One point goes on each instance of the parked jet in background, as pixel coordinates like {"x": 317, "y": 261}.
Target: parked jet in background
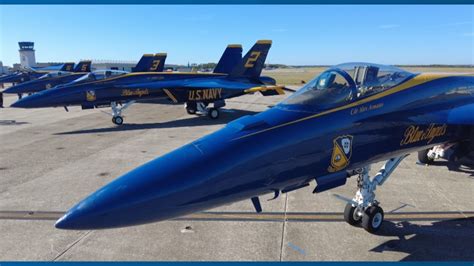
{"x": 336, "y": 126}
{"x": 148, "y": 62}
{"x": 49, "y": 80}
{"x": 197, "y": 90}
{"x": 30, "y": 74}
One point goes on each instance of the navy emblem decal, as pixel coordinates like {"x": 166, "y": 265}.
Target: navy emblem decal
{"x": 341, "y": 153}
{"x": 90, "y": 96}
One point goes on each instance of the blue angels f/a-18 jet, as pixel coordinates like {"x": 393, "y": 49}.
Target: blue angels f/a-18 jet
{"x": 148, "y": 62}
{"x": 232, "y": 77}
{"x": 336, "y": 126}
{"x": 50, "y": 79}
{"x": 31, "y": 74}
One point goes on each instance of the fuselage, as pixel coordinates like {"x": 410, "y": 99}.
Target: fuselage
{"x": 45, "y": 83}
{"x": 20, "y": 77}
{"x": 117, "y": 89}
{"x": 280, "y": 149}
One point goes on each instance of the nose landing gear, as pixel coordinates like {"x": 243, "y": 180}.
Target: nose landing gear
{"x": 118, "y": 120}
{"x": 117, "y": 112}
{"x": 364, "y": 209}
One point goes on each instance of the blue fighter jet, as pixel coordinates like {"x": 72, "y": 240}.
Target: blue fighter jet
{"x": 30, "y": 74}
{"x": 50, "y": 79}
{"x": 148, "y": 62}
{"x": 339, "y": 124}
{"x": 232, "y": 77}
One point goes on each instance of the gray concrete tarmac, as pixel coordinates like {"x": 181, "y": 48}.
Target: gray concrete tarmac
{"x": 50, "y": 159}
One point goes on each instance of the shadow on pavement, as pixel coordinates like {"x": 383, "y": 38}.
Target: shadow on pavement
{"x": 438, "y": 241}
{"x": 226, "y": 116}
{"x": 464, "y": 167}
{"x": 11, "y": 122}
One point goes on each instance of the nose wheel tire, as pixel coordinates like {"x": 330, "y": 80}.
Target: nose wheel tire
{"x": 423, "y": 157}
{"x": 213, "y": 113}
{"x": 191, "y": 107}
{"x": 118, "y": 120}
{"x": 191, "y": 111}
{"x": 372, "y": 219}
{"x": 351, "y": 216}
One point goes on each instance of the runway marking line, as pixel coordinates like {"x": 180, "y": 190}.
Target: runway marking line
{"x": 262, "y": 217}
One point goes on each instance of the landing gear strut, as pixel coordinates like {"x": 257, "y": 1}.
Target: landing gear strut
{"x": 364, "y": 209}
{"x": 117, "y": 112}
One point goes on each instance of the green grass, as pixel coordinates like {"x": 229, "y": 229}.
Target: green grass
{"x": 294, "y": 76}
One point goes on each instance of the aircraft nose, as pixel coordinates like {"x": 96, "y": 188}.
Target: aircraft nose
{"x": 20, "y": 103}
{"x": 31, "y": 101}
{"x": 38, "y": 100}
{"x": 152, "y": 192}
{"x": 7, "y": 79}
{"x": 65, "y": 222}
{"x": 14, "y": 89}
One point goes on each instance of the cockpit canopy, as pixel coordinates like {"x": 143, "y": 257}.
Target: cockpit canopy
{"x": 373, "y": 78}
{"x": 344, "y": 83}
{"x": 99, "y": 75}
{"x": 54, "y": 74}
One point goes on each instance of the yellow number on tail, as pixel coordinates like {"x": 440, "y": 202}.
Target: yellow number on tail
{"x": 252, "y": 59}
{"x": 155, "y": 64}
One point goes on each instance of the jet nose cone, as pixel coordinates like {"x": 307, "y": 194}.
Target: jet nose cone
{"x": 25, "y": 102}
{"x": 64, "y": 222}
{"x": 94, "y": 212}
{"x": 18, "y": 104}
{"x": 13, "y": 90}
{"x": 36, "y": 100}
{"x": 75, "y": 219}
{"x": 86, "y": 216}
{"x": 152, "y": 192}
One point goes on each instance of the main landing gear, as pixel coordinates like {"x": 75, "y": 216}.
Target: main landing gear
{"x": 201, "y": 108}
{"x": 117, "y": 112}
{"x": 364, "y": 209}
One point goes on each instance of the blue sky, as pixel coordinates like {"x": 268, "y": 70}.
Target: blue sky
{"x": 301, "y": 35}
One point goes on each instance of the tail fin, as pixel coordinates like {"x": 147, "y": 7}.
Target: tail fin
{"x": 83, "y": 66}
{"x": 253, "y": 62}
{"x": 229, "y": 59}
{"x": 144, "y": 63}
{"x": 158, "y": 63}
{"x": 67, "y": 67}
{"x": 151, "y": 63}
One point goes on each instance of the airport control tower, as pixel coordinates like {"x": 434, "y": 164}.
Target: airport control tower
{"x": 27, "y": 54}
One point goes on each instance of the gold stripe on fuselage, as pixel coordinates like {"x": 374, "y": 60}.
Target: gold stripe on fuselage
{"x": 170, "y": 95}
{"x": 151, "y": 74}
{"x": 415, "y": 81}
